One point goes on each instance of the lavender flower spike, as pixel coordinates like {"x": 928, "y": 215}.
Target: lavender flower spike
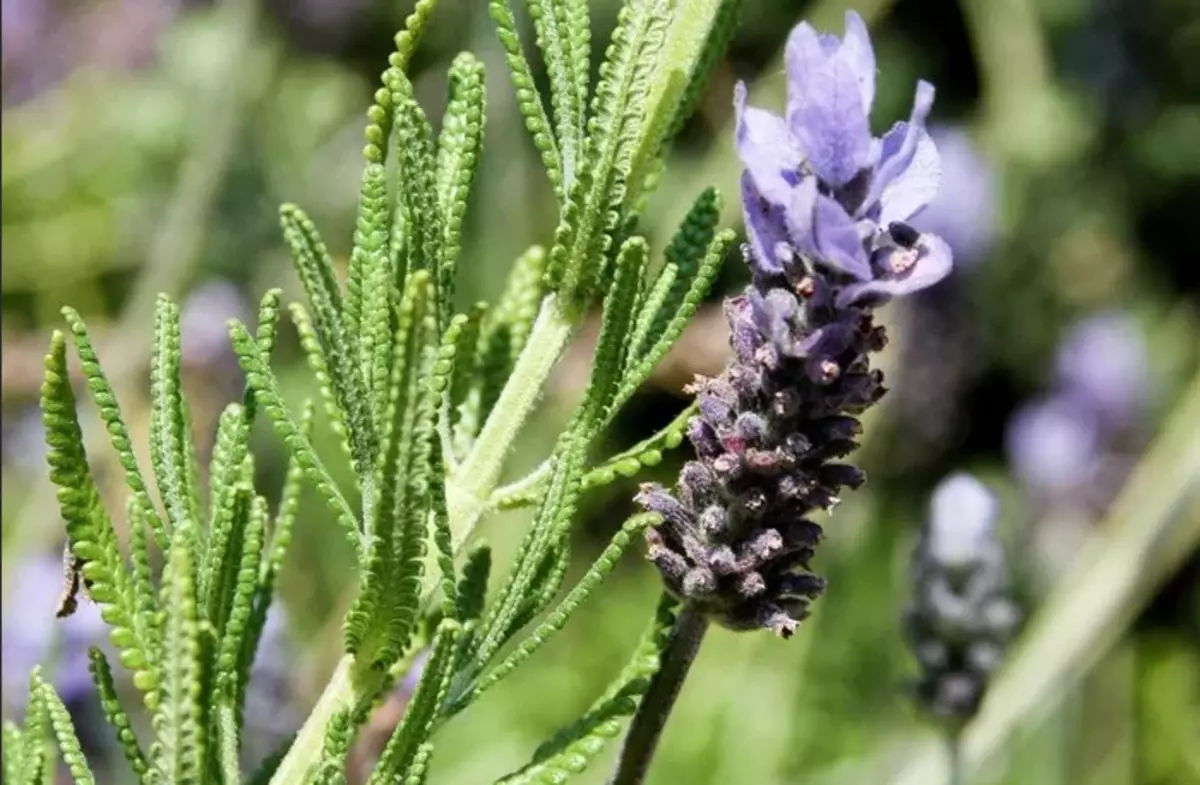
{"x": 825, "y": 205}
{"x": 961, "y": 616}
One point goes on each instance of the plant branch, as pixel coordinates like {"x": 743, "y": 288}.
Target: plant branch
{"x": 651, "y": 718}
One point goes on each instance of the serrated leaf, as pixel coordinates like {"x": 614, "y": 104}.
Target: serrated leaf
{"x": 315, "y": 269}
{"x": 170, "y": 431}
{"x": 558, "y": 41}
{"x": 461, "y": 422}
{"x": 576, "y": 746}
{"x": 331, "y": 769}
{"x": 179, "y": 722}
{"x": 529, "y": 101}
{"x": 110, "y": 413}
{"x": 89, "y": 529}
{"x": 64, "y": 733}
{"x": 557, "y": 618}
{"x": 266, "y": 390}
{"x": 378, "y": 624}
{"x": 423, "y": 708}
{"x": 424, "y": 236}
{"x": 12, "y": 762}
{"x": 265, "y": 334}
{"x": 684, "y": 256}
{"x": 227, "y": 468}
{"x": 370, "y": 248}
{"x": 37, "y": 744}
{"x": 472, "y": 586}
{"x": 458, "y": 150}
{"x": 115, "y": 713}
{"x": 311, "y": 345}
{"x": 578, "y": 268}
{"x": 638, "y": 369}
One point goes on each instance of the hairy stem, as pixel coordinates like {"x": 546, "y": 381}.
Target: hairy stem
{"x": 468, "y": 490}
{"x": 644, "y": 732}
{"x": 340, "y": 694}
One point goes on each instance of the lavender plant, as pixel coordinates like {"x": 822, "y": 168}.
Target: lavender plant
{"x": 826, "y": 207}
{"x": 961, "y": 616}
{"x": 427, "y": 402}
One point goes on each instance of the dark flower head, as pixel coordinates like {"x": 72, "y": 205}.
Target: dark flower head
{"x": 961, "y": 616}
{"x": 826, "y": 207}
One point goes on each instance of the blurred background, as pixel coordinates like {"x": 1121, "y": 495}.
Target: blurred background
{"x": 148, "y": 143}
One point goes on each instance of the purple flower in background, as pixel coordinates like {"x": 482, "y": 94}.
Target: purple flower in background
{"x": 1103, "y": 360}
{"x": 270, "y": 715}
{"x": 32, "y": 635}
{"x": 964, "y": 210}
{"x": 961, "y": 616}
{"x": 204, "y": 338}
{"x": 1054, "y": 445}
{"x": 825, "y": 207}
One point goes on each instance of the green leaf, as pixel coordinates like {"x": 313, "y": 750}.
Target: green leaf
{"x": 89, "y": 529}
{"x": 179, "y": 722}
{"x": 13, "y": 761}
{"x": 423, "y": 708}
{"x": 370, "y": 249}
{"x": 458, "y": 150}
{"x": 110, "y": 703}
{"x": 462, "y": 401}
{"x": 638, "y": 368}
{"x": 227, "y": 469}
{"x": 379, "y": 116}
{"x": 576, "y": 746}
{"x": 418, "y": 770}
{"x": 64, "y": 732}
{"x": 529, "y": 101}
{"x": 315, "y": 269}
{"x": 720, "y": 33}
{"x": 381, "y": 619}
{"x": 229, "y": 696}
{"x": 37, "y": 744}
{"x": 472, "y": 587}
{"x": 268, "y": 329}
{"x": 684, "y": 256}
{"x": 331, "y": 770}
{"x": 558, "y": 617}
{"x": 266, "y": 390}
{"x": 616, "y": 325}
{"x": 578, "y": 268}
{"x": 311, "y": 345}
{"x": 110, "y": 413}
{"x": 424, "y": 235}
{"x": 170, "y": 431}
{"x": 552, "y": 22}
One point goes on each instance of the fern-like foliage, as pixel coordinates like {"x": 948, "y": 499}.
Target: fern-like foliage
{"x": 419, "y": 395}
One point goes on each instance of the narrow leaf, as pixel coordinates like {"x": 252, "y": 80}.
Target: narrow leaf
{"x": 64, "y": 733}
{"x": 170, "y": 432}
{"x": 110, "y": 413}
{"x": 459, "y": 145}
{"x": 110, "y": 703}
{"x": 568, "y": 94}
{"x": 179, "y": 753}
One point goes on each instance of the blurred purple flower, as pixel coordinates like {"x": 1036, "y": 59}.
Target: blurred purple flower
{"x": 1054, "y": 445}
{"x": 964, "y": 212}
{"x": 1103, "y": 360}
{"x": 33, "y": 635}
{"x": 203, "y": 336}
{"x": 270, "y": 713}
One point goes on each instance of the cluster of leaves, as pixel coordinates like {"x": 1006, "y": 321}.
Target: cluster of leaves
{"x": 420, "y": 396}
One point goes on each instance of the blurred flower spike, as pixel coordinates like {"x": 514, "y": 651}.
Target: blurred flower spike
{"x": 825, "y": 209}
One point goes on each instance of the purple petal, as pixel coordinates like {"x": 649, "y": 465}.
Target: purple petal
{"x": 915, "y": 187}
{"x": 900, "y": 144}
{"x": 825, "y": 108}
{"x": 1054, "y": 445}
{"x": 932, "y": 264}
{"x": 856, "y": 51}
{"x": 765, "y": 147}
{"x": 765, "y": 230}
{"x": 800, "y": 214}
{"x": 1103, "y": 360}
{"x": 838, "y": 240}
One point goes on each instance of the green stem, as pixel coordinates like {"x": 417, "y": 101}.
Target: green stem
{"x": 302, "y": 757}
{"x": 468, "y": 491}
{"x": 958, "y": 774}
{"x": 644, "y": 732}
